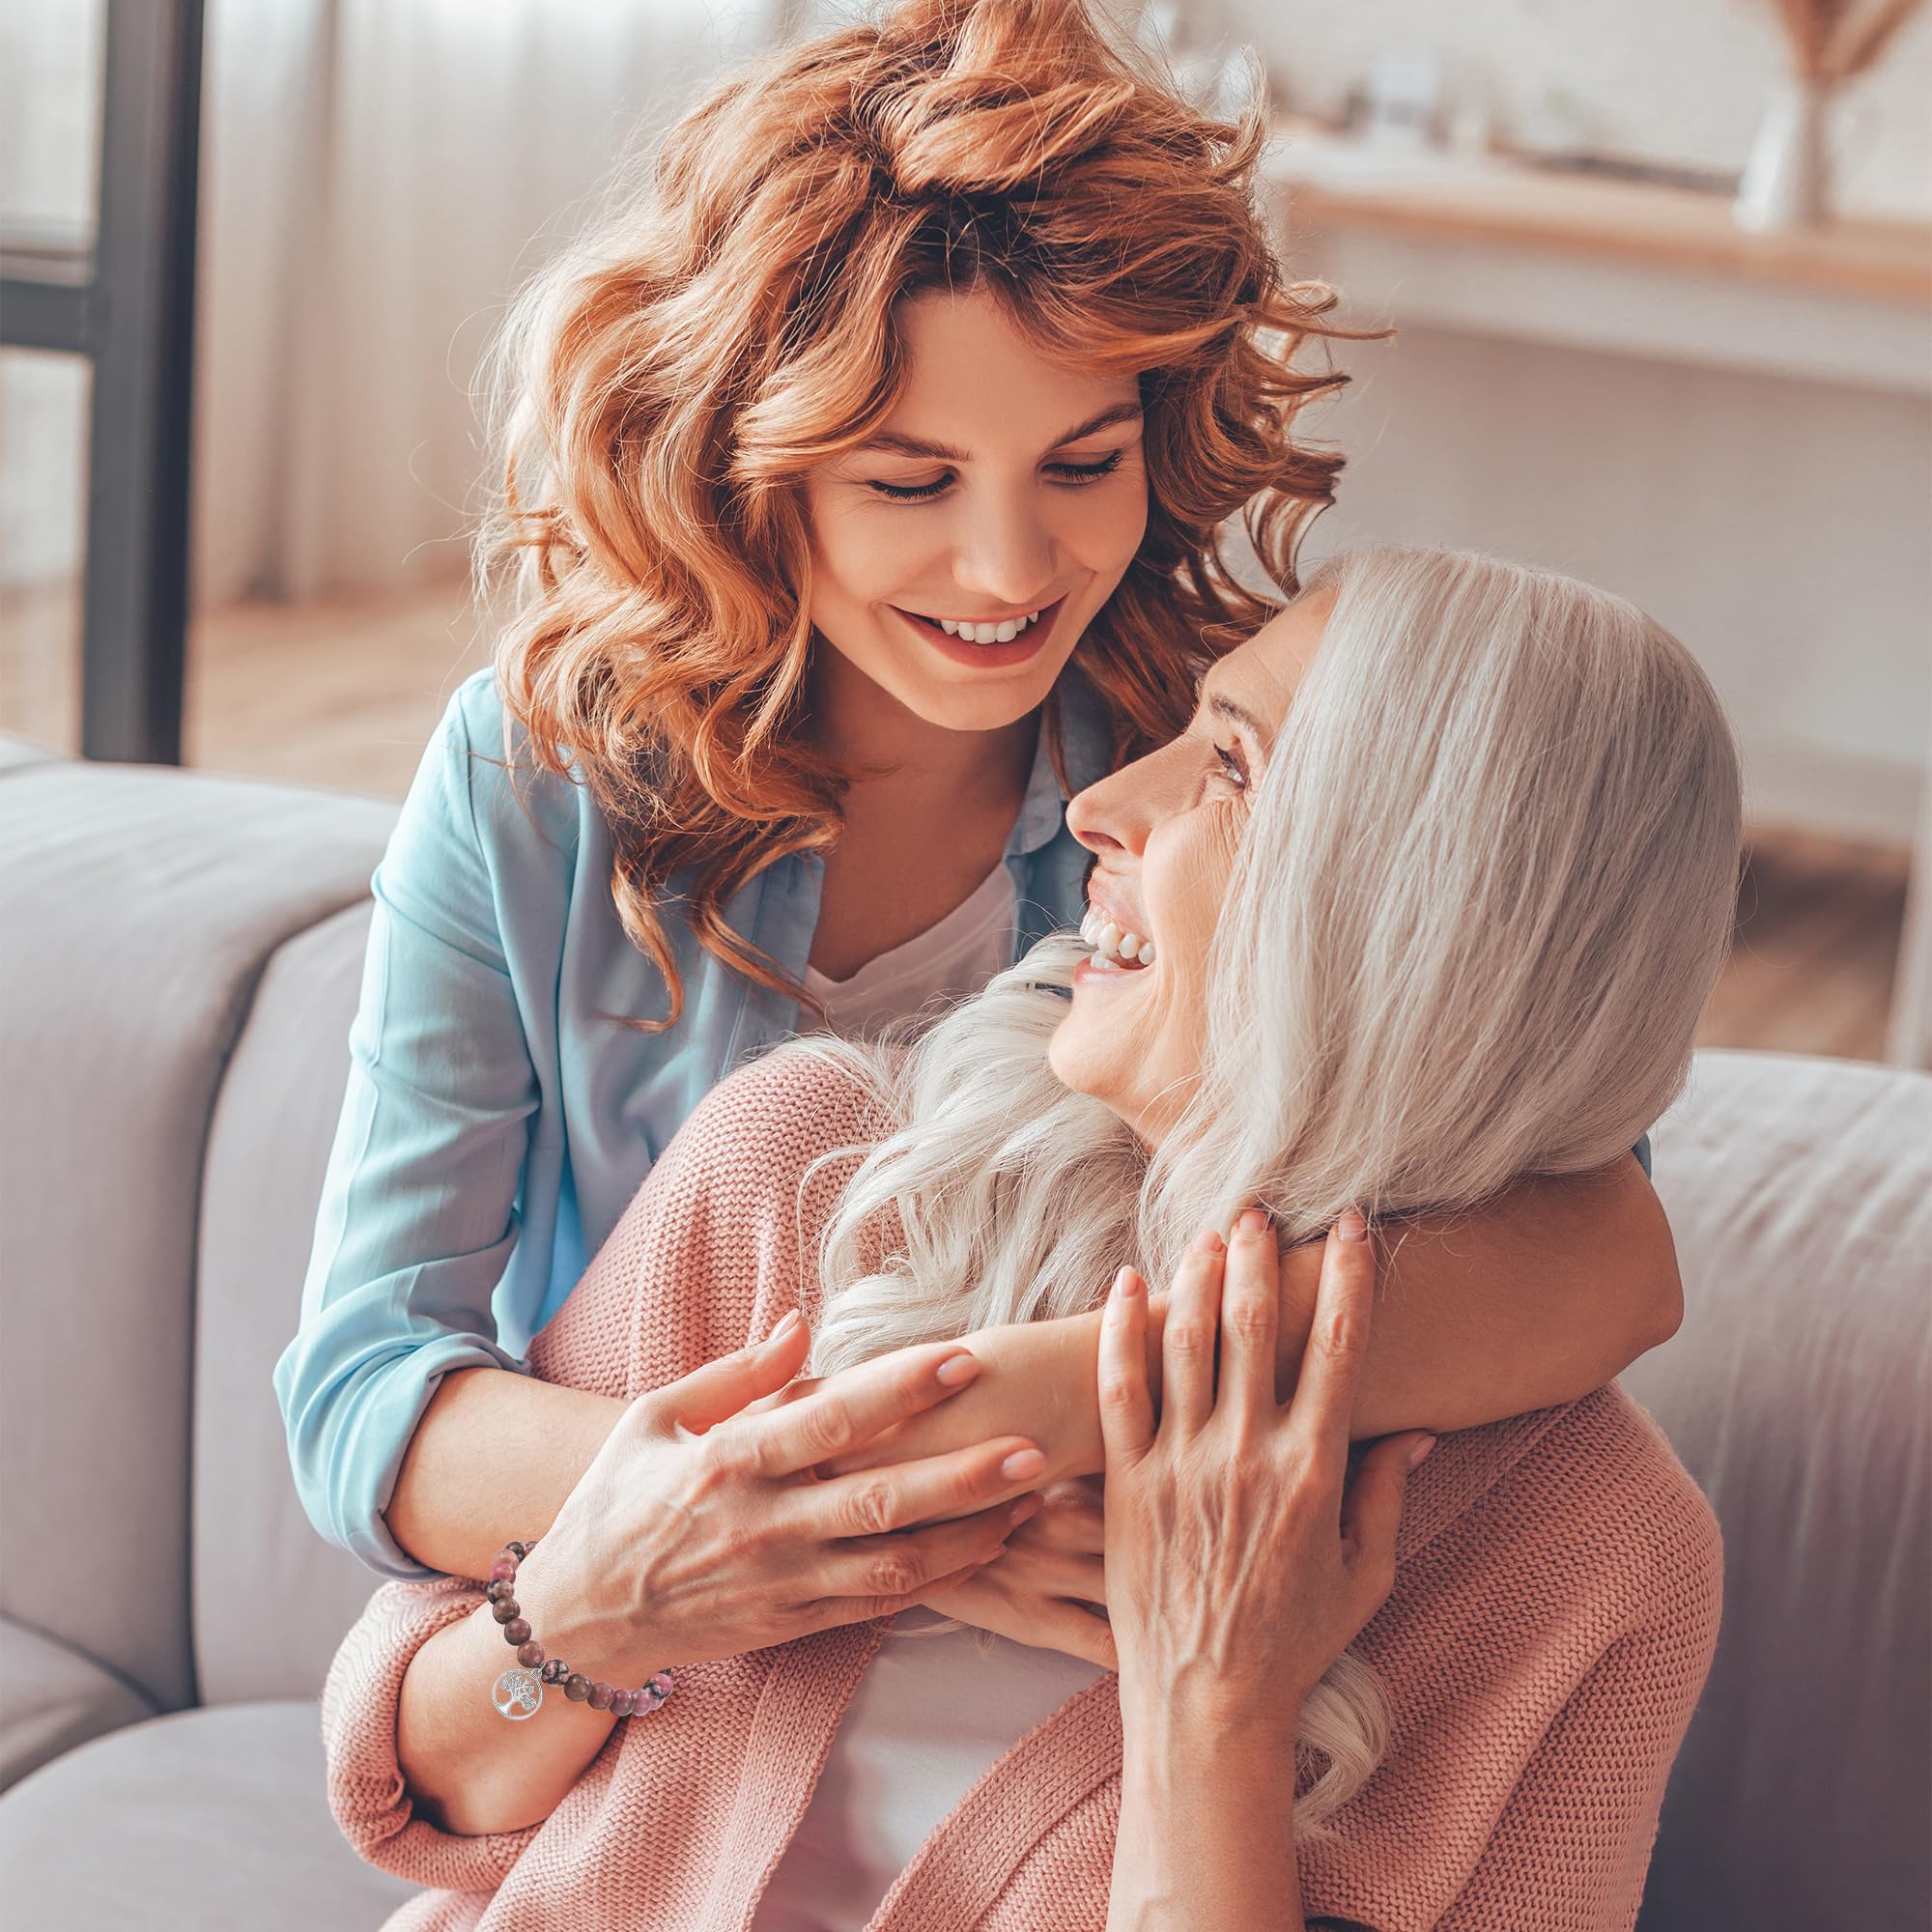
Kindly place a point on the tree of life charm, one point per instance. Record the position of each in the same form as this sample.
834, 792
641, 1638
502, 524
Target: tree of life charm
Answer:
517, 1693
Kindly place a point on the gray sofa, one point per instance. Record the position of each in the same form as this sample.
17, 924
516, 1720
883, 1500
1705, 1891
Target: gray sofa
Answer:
181, 957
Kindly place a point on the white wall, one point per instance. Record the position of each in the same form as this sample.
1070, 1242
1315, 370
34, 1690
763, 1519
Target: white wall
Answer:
1778, 528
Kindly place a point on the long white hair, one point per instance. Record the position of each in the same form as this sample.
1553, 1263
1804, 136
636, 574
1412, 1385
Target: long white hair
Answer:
1484, 891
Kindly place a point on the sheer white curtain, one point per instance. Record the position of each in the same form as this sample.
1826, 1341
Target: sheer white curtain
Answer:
377, 175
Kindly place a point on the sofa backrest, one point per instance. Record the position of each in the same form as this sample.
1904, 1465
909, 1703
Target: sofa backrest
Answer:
1799, 1393
140, 908
272, 1598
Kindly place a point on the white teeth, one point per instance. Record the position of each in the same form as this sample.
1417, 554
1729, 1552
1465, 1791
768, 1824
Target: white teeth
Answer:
1109, 945
1002, 633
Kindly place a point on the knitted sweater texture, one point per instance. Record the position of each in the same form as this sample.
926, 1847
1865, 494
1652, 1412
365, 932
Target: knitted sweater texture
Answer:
1553, 1619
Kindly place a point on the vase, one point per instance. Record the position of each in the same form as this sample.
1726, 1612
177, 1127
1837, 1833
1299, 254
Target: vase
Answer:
1785, 181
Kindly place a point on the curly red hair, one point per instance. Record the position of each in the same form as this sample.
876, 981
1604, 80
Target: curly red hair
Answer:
735, 322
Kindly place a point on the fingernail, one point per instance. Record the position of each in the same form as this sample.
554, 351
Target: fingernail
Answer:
1421, 1450
1022, 1463
1205, 1242
1351, 1226
1252, 1221
785, 1327
1127, 1283
958, 1369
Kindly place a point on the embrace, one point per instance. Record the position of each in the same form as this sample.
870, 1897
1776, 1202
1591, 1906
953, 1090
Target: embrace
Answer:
1105, 1419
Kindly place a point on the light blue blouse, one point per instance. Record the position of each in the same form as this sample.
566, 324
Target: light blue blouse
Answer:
497, 1120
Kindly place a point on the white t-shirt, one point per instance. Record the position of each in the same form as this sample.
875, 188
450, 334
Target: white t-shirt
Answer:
951, 960
930, 1716
932, 1713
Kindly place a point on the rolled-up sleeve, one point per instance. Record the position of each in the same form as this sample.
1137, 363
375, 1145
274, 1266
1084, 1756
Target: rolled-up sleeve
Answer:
361, 1704
419, 1211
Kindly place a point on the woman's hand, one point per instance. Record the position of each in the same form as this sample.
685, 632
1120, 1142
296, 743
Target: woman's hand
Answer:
701, 1530
1038, 1592
1239, 1561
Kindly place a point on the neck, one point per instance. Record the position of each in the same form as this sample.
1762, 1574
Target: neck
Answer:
906, 768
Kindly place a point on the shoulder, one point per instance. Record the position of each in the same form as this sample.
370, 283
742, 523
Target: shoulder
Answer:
484, 776
784, 1112
771, 1149
1603, 1483
737, 1203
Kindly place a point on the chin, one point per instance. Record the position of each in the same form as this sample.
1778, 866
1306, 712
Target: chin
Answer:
979, 706
1080, 1071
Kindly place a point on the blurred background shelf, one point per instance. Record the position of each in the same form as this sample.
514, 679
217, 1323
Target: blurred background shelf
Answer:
1499, 248
1339, 182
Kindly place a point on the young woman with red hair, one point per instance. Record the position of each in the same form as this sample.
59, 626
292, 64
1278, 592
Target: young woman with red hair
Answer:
864, 483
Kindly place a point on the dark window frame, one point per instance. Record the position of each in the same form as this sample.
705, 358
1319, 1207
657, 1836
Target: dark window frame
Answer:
124, 300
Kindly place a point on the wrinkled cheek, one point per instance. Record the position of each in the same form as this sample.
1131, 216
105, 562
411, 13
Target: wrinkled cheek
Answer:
1172, 1060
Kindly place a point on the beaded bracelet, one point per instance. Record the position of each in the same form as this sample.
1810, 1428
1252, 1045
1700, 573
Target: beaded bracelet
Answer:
519, 1693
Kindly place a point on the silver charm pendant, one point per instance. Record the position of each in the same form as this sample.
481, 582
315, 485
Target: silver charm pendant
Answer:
517, 1693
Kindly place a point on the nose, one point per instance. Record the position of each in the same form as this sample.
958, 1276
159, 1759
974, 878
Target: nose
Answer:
1115, 816
1006, 555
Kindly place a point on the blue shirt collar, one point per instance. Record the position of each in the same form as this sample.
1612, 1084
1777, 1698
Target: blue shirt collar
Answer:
1085, 742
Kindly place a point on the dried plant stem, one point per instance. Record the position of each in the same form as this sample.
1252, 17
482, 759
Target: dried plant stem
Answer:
1835, 40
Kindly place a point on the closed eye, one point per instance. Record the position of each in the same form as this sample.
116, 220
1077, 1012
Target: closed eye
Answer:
1234, 767
911, 492
1087, 472
1075, 475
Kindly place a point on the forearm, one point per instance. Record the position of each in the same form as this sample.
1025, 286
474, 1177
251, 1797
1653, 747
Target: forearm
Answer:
469, 1769
1206, 1837
1536, 1299
492, 1459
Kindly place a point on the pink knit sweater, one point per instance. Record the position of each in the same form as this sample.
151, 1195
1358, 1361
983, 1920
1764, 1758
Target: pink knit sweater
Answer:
1553, 1618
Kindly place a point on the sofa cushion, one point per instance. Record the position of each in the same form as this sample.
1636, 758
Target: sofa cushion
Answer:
272, 1598
140, 907
52, 1698
205, 1821
1799, 1393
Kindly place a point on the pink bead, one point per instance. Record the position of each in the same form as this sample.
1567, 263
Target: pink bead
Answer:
530, 1655
661, 1684
503, 1570
623, 1703
600, 1695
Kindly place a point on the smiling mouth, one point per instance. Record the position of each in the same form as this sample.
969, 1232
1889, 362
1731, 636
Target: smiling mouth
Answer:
971, 631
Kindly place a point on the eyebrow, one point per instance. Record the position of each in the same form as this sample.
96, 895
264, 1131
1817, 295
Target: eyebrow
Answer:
894, 444
1227, 707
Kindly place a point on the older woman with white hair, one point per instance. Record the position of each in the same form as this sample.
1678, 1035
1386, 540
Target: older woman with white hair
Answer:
1427, 899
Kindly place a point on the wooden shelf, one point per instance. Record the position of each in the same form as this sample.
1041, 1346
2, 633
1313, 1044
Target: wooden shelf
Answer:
1335, 184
